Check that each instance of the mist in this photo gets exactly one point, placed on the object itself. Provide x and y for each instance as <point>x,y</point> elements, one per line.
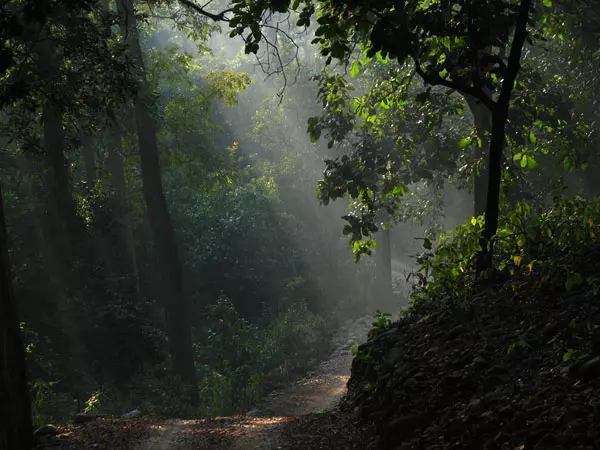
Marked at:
<point>195,224</point>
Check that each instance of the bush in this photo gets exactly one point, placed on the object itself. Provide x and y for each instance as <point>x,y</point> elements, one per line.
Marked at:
<point>553,249</point>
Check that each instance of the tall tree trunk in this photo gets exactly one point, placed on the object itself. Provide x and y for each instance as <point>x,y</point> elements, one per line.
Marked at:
<point>176,306</point>
<point>63,220</point>
<point>15,408</point>
<point>499,118</point>
<point>89,161</point>
<point>126,252</point>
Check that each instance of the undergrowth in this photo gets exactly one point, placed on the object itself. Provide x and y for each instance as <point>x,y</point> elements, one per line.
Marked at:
<point>539,251</point>
<point>237,363</point>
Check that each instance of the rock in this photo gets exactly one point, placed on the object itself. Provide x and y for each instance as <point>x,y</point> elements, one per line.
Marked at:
<point>547,440</point>
<point>393,356</point>
<point>551,329</point>
<point>406,426</point>
<point>474,403</point>
<point>132,414</point>
<point>479,362</point>
<point>46,430</point>
<point>457,331</point>
<point>431,352</point>
<point>487,415</point>
<point>591,368</point>
<point>507,412</point>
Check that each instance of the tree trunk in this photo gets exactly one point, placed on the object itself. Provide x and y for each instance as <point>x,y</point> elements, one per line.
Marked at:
<point>482,118</point>
<point>63,221</point>
<point>384,268</point>
<point>499,118</point>
<point>176,306</point>
<point>493,199</point>
<point>126,252</point>
<point>89,161</point>
<point>15,408</point>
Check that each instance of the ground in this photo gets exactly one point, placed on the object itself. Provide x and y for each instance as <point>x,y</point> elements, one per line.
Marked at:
<point>298,416</point>
<point>295,417</point>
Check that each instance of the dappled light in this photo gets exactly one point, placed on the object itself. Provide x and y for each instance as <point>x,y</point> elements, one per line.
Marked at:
<point>318,224</point>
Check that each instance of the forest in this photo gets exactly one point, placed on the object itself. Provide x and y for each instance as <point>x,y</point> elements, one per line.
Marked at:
<point>307,224</point>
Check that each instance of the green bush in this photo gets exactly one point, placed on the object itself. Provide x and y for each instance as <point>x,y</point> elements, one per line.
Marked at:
<point>48,405</point>
<point>550,249</point>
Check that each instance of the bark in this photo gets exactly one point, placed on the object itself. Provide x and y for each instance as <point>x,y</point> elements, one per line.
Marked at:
<point>15,408</point>
<point>482,118</point>
<point>499,118</point>
<point>89,162</point>
<point>63,221</point>
<point>384,267</point>
<point>126,251</point>
<point>175,304</point>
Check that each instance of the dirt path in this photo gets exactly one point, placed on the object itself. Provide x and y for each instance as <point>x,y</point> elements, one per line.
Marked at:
<point>262,428</point>
<point>280,422</point>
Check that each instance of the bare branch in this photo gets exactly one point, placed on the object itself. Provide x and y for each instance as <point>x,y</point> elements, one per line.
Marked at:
<point>219,17</point>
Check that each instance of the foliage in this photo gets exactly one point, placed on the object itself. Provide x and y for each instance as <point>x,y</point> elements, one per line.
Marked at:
<point>549,249</point>
<point>49,406</point>
<point>381,323</point>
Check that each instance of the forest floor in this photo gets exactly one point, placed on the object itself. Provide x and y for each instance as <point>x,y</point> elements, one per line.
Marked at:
<point>294,417</point>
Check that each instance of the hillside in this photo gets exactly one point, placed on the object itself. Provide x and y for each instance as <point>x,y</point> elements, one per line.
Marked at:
<point>501,371</point>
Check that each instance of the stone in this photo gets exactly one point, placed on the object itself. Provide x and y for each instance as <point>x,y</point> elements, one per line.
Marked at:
<point>479,362</point>
<point>487,415</point>
<point>474,403</point>
<point>132,414</point>
<point>591,368</point>
<point>46,430</point>
<point>406,426</point>
<point>507,412</point>
<point>393,356</point>
<point>547,440</point>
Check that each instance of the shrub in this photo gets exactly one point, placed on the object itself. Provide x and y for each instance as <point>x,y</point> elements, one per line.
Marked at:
<point>551,249</point>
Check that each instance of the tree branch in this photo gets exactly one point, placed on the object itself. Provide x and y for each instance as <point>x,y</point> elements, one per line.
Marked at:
<point>436,80</point>
<point>516,49</point>
<point>219,17</point>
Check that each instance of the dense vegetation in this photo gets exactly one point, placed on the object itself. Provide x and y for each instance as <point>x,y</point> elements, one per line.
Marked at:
<point>165,167</point>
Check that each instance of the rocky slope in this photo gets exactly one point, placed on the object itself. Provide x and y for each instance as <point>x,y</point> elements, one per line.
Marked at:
<point>501,372</point>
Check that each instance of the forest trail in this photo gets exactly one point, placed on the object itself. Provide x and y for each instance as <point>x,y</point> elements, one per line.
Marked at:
<point>262,427</point>
<point>282,420</point>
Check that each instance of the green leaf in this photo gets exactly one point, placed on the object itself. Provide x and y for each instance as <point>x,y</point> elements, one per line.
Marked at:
<point>354,69</point>
<point>548,3</point>
<point>381,59</point>
<point>532,138</point>
<point>524,161</point>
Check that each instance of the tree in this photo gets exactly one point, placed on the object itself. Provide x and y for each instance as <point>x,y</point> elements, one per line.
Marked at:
<point>15,408</point>
<point>471,47</point>
<point>175,303</point>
